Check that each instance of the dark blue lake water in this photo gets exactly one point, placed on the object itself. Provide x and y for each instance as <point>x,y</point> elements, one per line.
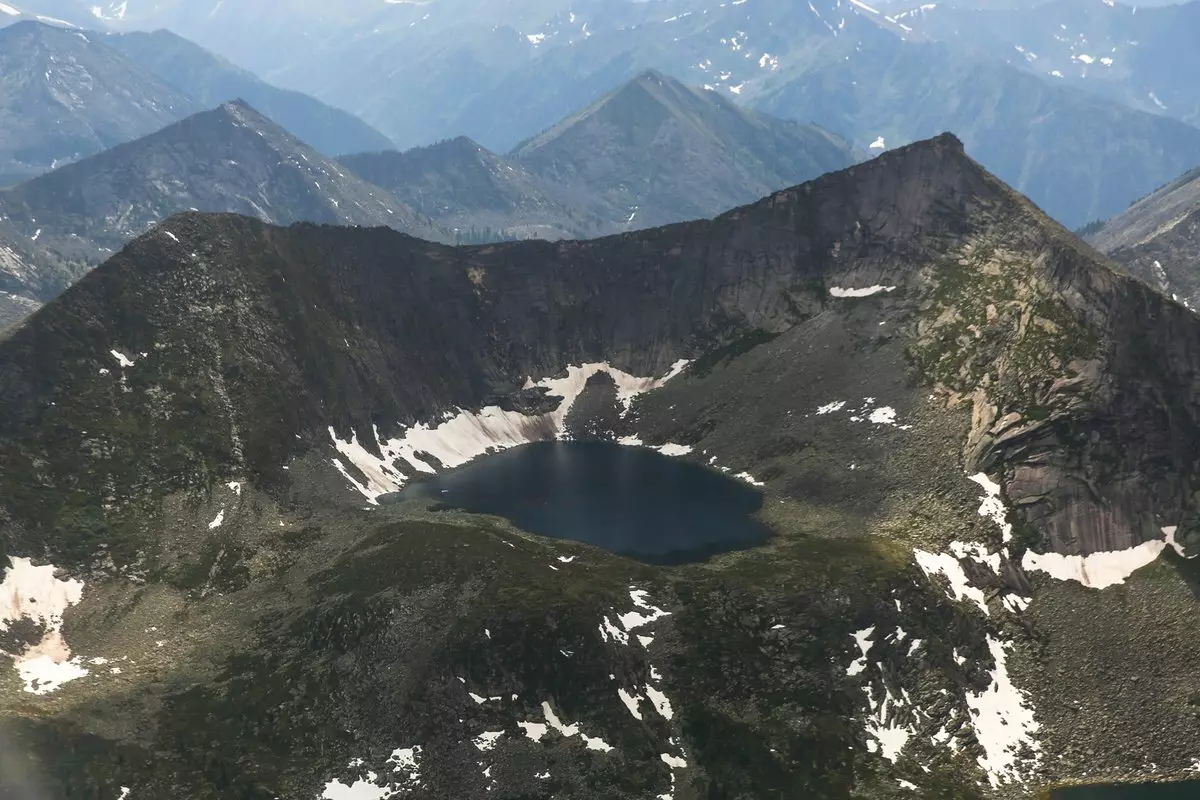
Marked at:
<point>630,500</point>
<point>1186,790</point>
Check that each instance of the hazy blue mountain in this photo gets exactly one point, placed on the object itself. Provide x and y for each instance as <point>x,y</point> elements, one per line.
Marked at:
<point>1076,155</point>
<point>657,151</point>
<point>212,80</point>
<point>651,152</point>
<point>1143,57</point>
<point>65,95</point>
<point>1158,239</point>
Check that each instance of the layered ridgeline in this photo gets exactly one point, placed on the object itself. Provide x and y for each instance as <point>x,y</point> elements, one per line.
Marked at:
<point>651,152</point>
<point>67,93</point>
<point>477,194</point>
<point>976,443</point>
<point>1158,239</point>
<point>229,159</point>
<point>656,151</point>
<point>64,95</point>
<point>212,80</point>
<point>501,73</point>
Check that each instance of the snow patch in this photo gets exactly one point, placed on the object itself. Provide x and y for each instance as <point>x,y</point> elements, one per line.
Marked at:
<point>863,640</point>
<point>464,435</point>
<point>661,704</point>
<point>216,523</point>
<point>890,736</point>
<point>536,731</point>
<point>838,291</point>
<point>748,478</point>
<point>950,567</point>
<point>631,701</point>
<point>1003,722</point>
<point>361,789</point>
<point>122,359</point>
<point>487,740</point>
<point>636,619</point>
<point>992,506</point>
<point>878,144</point>
<point>33,593</point>
<point>1098,570</point>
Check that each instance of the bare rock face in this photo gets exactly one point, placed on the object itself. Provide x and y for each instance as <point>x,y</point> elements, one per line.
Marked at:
<point>200,430</point>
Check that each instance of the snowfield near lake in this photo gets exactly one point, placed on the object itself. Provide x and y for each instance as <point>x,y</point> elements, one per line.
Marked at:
<point>465,435</point>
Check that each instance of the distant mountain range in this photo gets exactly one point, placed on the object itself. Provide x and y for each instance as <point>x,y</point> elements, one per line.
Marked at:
<point>66,94</point>
<point>212,80</point>
<point>1143,57</point>
<point>651,152</point>
<point>1082,147</point>
<point>231,159</point>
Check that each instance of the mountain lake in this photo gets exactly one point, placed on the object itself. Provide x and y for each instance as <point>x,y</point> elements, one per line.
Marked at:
<point>630,500</point>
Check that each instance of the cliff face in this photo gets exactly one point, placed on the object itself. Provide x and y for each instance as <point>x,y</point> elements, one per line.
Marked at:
<point>192,432</point>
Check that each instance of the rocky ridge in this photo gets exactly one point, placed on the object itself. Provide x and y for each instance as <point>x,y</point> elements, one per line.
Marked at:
<point>1158,239</point>
<point>955,402</point>
<point>229,159</point>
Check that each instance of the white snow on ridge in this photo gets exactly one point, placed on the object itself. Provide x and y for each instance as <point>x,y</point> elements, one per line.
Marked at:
<point>864,6</point>
<point>837,291</point>
<point>12,12</point>
<point>466,435</point>
<point>30,592</point>
<point>878,144</point>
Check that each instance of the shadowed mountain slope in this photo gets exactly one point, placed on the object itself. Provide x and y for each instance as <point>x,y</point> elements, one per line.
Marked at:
<point>198,431</point>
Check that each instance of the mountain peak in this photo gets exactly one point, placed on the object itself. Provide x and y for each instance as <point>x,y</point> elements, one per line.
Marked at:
<point>113,100</point>
<point>227,159</point>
